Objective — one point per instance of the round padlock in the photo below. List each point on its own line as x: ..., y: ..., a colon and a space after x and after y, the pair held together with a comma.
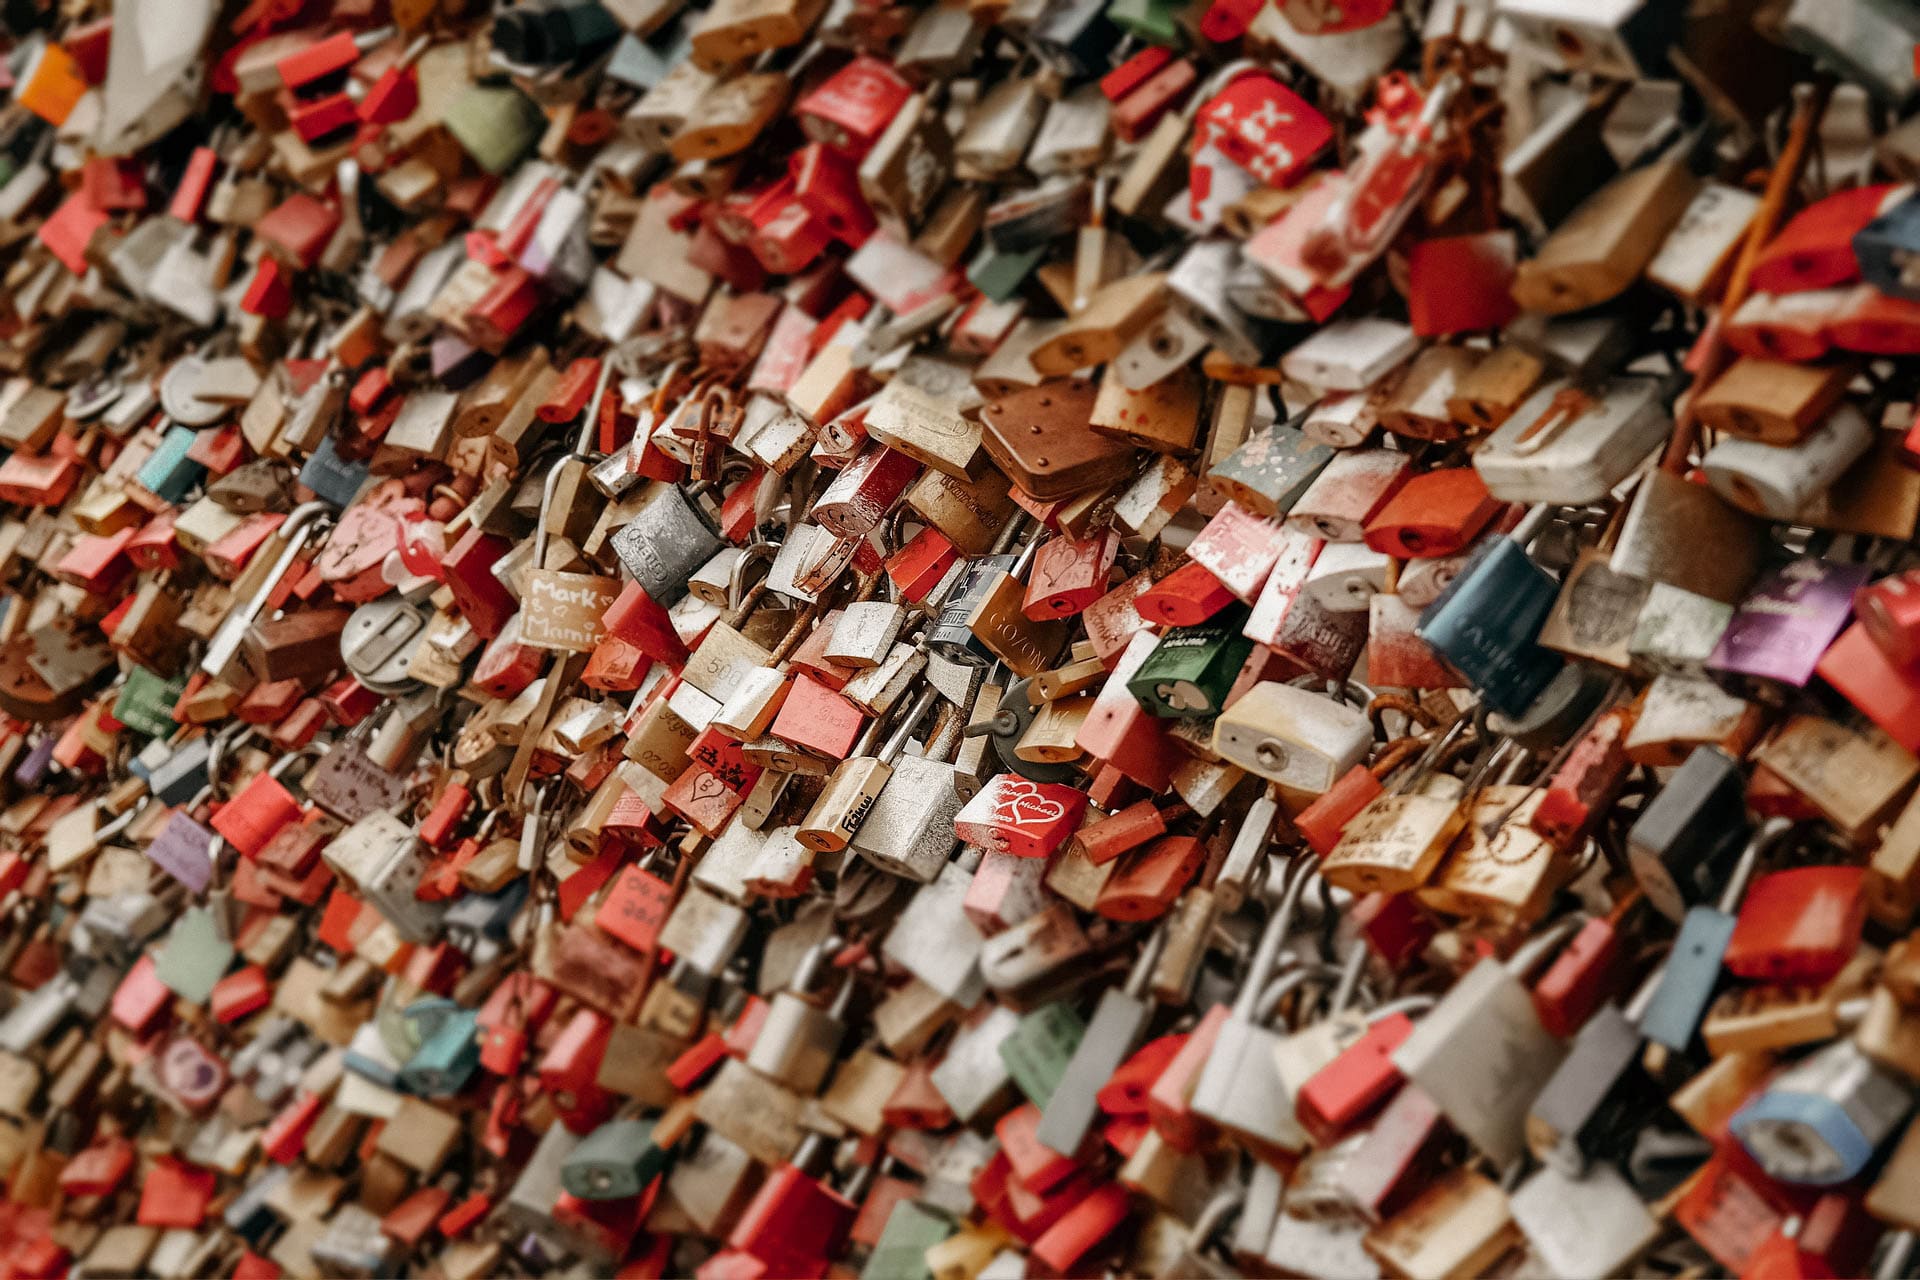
x: 1009, y: 725
x: 178, y: 387
x: 379, y: 641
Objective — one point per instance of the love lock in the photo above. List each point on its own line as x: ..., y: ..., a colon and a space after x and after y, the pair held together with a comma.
x: 179, y: 394
x: 379, y: 642
x: 1008, y: 726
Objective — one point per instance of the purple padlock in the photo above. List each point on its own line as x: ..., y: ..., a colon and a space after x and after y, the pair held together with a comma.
x: 1786, y: 622
x: 184, y: 850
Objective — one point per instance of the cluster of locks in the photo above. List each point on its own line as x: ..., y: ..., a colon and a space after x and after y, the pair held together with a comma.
x: 995, y: 638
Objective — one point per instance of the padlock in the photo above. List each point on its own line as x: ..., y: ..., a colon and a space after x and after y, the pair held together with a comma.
x: 1481, y: 1053
x: 1237, y: 1088
x: 798, y: 1041
x: 1672, y: 1016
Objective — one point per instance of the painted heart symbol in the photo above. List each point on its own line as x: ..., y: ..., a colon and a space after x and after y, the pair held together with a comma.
x: 1018, y: 803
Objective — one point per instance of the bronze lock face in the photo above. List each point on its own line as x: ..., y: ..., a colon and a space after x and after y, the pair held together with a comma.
x: 1040, y: 437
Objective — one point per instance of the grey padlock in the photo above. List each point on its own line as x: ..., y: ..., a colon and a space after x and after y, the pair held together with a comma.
x: 379, y: 641
x: 665, y: 545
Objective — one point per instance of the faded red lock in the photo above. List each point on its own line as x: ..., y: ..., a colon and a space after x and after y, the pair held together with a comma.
x: 256, y: 814
x: 1583, y: 975
x: 1105, y: 839
x: 1330, y: 17
x: 817, y: 720
x: 827, y: 182
x: 859, y: 497
x: 1889, y: 610
x: 1135, y: 115
x: 1345, y: 1094
x: 919, y: 566
x: 1069, y: 574
x: 635, y: 617
x: 1815, y: 249
x: 1148, y: 879
x: 794, y: 1223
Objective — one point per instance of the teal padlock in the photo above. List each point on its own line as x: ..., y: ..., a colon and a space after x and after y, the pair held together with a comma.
x: 901, y: 1251
x: 168, y: 473
x: 615, y: 1161
x: 449, y: 1051
x: 999, y: 274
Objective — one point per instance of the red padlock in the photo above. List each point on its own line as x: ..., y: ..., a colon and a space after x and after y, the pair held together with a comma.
x: 854, y: 106
x: 1015, y: 815
x: 1434, y: 514
x: 1135, y: 115
x: 1883, y: 692
x: 636, y: 618
x: 1148, y: 879
x: 1038, y: 1166
x: 1264, y: 127
x: 1069, y: 574
x: 1462, y: 284
x: 570, y: 1071
x: 794, y: 1223
x: 1815, y: 249
x: 1889, y: 610
x: 1583, y: 975
x: 920, y: 565
x: 256, y: 814
x: 1330, y: 17
x: 1585, y: 784
x: 1186, y: 597
x: 1800, y: 925
x: 1343, y: 1095
x: 828, y: 184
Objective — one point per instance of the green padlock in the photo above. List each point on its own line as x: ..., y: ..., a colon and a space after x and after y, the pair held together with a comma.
x: 1000, y: 274
x: 146, y: 701
x: 1151, y: 21
x: 1191, y: 670
x: 497, y: 124
x: 901, y: 1251
x: 1038, y: 1051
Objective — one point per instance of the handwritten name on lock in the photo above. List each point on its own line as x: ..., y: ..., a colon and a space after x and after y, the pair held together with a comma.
x: 565, y: 610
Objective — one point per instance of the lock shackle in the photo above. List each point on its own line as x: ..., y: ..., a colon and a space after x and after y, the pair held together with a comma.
x: 1145, y: 963
x: 1216, y: 83
x: 1220, y: 1210
x: 1267, y: 954
x: 299, y: 528
x: 1532, y: 524
x: 546, y: 501
x: 1423, y: 763
x: 1351, y: 970
x: 897, y: 740
x: 1316, y: 972
x: 120, y: 823
x: 807, y: 973
x: 1409, y: 1005
x: 591, y: 418
x: 1536, y: 949
x: 1766, y: 837
x: 1008, y: 532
